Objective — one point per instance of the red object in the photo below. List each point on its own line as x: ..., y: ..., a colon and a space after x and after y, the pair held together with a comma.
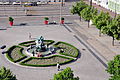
x: 62, y: 21
x: 11, y: 23
x: 39, y: 55
x: 46, y: 22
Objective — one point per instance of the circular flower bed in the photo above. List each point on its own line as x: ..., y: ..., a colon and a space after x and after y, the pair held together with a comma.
x: 64, y: 53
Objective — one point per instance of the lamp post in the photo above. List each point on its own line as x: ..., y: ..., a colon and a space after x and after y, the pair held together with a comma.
x: 60, y: 11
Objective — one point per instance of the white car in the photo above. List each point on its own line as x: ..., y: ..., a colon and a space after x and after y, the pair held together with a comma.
x: 39, y: 3
x: 1, y: 3
x: 6, y: 3
x: 42, y: 2
x: 16, y: 3
x: 28, y: 3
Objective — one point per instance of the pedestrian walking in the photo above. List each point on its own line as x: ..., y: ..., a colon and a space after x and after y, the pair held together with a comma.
x: 26, y: 11
x: 58, y: 66
x: 29, y: 35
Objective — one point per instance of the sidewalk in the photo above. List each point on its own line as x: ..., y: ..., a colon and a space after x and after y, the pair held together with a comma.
x: 102, y: 44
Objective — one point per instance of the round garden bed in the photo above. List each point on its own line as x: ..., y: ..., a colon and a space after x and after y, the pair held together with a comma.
x: 64, y: 53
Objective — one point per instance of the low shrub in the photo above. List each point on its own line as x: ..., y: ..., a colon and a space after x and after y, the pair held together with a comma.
x: 45, y: 58
x: 68, y: 49
x: 28, y: 43
x: 12, y: 55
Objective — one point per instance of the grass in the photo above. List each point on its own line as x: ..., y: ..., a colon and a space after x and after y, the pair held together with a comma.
x: 28, y: 43
x: 68, y: 49
x: 47, y: 61
x: 15, y: 54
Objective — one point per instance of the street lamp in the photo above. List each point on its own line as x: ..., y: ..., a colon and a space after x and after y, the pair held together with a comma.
x: 61, y: 10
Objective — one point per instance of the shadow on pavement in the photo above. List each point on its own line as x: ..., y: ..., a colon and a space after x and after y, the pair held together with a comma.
x: 21, y: 24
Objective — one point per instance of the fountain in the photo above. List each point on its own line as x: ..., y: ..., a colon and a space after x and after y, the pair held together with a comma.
x: 40, y: 48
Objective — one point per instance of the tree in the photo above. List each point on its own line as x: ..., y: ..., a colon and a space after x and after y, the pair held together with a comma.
x: 112, y: 29
x: 114, y: 68
x: 66, y: 74
x: 101, y: 20
x: 88, y: 13
x: 78, y: 7
x: 6, y: 74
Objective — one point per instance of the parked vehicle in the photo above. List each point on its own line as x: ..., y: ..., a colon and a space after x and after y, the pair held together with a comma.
x: 28, y: 3
x: 34, y: 4
x: 16, y: 3
x: 39, y: 3
x: 6, y: 3
x: 42, y: 2
x: 1, y: 3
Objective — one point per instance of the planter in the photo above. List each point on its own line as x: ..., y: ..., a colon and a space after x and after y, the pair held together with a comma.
x: 46, y: 22
x: 11, y: 23
x: 62, y: 22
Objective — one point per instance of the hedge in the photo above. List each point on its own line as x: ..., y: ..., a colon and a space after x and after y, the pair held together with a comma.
x: 27, y: 44
x: 75, y: 49
x: 46, y: 65
x: 20, y: 53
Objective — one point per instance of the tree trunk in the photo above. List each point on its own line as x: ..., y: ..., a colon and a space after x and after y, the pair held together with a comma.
x: 80, y: 18
x: 91, y: 3
x: 113, y: 41
x: 100, y: 33
x: 88, y: 23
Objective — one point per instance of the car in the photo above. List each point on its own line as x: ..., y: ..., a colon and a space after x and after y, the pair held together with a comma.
x: 1, y: 3
x: 28, y: 3
x: 16, y: 3
x: 6, y: 3
x: 42, y: 2
x: 34, y: 4
x: 39, y: 3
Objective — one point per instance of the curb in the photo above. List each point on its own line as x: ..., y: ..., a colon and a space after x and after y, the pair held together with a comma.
x: 94, y: 52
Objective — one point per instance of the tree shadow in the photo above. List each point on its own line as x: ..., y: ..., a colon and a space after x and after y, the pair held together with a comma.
x: 3, y: 29
x: 68, y: 23
x: 79, y: 54
x: 21, y: 24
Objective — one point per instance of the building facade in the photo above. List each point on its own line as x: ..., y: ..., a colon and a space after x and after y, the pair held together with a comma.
x: 112, y: 5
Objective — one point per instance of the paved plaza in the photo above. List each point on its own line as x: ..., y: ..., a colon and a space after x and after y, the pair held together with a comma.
x: 95, y: 51
x: 87, y: 67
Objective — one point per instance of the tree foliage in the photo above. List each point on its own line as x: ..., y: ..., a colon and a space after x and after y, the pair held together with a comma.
x: 88, y: 13
x: 6, y: 74
x: 101, y: 20
x: 78, y: 7
x: 114, y: 68
x: 112, y: 29
x: 66, y: 74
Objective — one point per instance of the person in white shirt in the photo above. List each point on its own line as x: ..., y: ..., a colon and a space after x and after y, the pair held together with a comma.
x: 58, y: 66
